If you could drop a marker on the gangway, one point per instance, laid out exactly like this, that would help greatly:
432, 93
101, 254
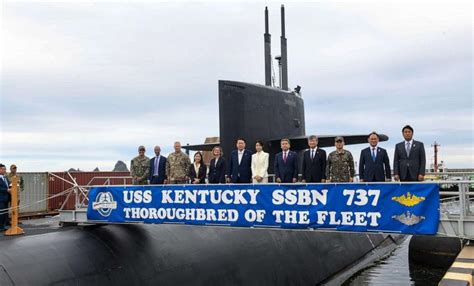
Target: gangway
456, 207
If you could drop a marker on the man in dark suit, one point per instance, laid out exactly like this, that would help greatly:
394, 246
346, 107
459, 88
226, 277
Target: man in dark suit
409, 158
217, 167
240, 164
157, 168
4, 196
286, 164
314, 163
374, 164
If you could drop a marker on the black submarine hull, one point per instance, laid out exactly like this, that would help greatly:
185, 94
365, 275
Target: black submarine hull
181, 255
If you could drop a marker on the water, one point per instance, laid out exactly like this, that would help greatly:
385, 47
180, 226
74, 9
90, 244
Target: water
397, 270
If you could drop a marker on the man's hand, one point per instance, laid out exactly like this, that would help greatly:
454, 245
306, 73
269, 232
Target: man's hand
227, 180
278, 180
165, 181
361, 180
421, 177
323, 181
388, 179
303, 181
328, 180
351, 179
396, 178
295, 180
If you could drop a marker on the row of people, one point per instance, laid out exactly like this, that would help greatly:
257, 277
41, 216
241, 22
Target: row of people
245, 167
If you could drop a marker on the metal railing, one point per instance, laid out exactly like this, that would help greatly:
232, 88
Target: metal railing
456, 206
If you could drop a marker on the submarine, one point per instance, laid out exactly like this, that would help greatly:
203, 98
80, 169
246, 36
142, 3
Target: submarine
169, 254
267, 112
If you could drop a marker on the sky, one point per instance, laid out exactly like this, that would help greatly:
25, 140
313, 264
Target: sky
84, 83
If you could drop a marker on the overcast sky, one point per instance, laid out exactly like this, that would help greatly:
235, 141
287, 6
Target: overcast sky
83, 83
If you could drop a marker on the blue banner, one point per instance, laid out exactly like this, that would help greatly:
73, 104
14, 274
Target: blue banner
402, 208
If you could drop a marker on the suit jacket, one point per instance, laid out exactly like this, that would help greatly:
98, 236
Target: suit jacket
161, 168
314, 170
288, 170
217, 172
4, 194
260, 164
371, 171
240, 173
201, 175
414, 163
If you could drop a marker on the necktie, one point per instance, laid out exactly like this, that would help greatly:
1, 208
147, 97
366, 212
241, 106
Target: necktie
408, 148
5, 180
373, 154
284, 157
155, 172
312, 154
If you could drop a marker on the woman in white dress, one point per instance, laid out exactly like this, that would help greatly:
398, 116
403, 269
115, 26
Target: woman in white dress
259, 164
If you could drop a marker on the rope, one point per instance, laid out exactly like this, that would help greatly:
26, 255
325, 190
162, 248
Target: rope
5, 211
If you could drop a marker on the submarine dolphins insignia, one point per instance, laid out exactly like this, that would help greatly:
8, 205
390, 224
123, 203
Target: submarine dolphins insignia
408, 218
104, 203
408, 200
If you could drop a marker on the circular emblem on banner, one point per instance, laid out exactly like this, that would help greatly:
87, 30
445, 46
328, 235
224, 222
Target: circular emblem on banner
104, 203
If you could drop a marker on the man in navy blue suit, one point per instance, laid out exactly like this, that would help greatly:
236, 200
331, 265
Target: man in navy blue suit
286, 164
240, 164
157, 168
4, 196
374, 164
409, 160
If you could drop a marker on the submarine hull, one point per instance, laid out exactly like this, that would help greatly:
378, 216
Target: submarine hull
180, 255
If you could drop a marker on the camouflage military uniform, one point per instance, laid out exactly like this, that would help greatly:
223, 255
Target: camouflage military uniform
21, 183
139, 169
177, 167
340, 166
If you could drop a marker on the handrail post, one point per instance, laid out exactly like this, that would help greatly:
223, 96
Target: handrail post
76, 191
462, 208
14, 229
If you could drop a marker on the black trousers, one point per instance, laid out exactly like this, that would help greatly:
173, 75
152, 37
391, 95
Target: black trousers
409, 178
157, 180
241, 180
3, 214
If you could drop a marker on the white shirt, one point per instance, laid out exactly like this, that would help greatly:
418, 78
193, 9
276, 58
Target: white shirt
2, 177
215, 161
196, 169
312, 153
241, 154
